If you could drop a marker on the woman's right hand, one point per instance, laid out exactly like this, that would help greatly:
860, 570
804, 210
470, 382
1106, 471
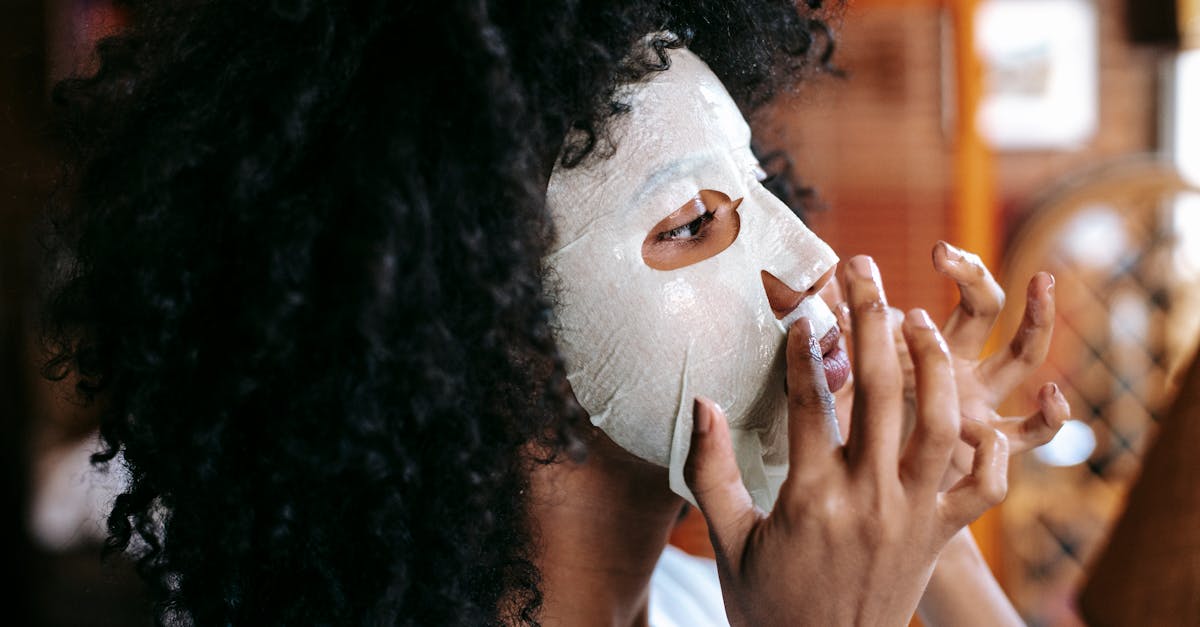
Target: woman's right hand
858, 525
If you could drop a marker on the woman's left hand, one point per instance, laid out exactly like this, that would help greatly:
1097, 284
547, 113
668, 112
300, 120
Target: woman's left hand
984, 382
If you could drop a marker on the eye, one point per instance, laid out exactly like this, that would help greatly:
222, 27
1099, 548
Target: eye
704, 226
691, 230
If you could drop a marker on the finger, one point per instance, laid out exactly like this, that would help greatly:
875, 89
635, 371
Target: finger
842, 312
980, 300
1038, 428
900, 341
844, 396
712, 475
1029, 345
937, 429
812, 419
832, 293
907, 373
834, 297
987, 484
878, 400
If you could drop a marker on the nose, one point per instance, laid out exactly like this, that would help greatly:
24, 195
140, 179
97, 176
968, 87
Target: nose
783, 299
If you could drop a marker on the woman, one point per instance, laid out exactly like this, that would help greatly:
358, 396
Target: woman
302, 280
678, 274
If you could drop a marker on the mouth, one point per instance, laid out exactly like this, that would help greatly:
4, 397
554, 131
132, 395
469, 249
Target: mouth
835, 360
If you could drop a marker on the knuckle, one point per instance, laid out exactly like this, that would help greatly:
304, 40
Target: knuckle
932, 347
976, 264
810, 399
993, 440
817, 506
986, 435
1000, 442
993, 303
941, 433
998, 296
873, 307
1021, 353
984, 297
827, 507
993, 489
931, 351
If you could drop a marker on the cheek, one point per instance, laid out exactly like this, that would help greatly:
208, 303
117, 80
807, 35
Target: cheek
717, 313
641, 343
711, 319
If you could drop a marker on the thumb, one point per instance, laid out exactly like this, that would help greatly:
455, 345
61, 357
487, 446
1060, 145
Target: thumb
712, 475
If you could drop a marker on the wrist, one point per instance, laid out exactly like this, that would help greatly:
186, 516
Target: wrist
962, 590
960, 555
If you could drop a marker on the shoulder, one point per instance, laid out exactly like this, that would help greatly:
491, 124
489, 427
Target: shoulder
685, 590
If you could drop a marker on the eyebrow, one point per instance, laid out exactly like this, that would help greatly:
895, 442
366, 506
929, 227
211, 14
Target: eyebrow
670, 171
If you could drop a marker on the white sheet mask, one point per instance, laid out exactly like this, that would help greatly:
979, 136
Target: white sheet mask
641, 343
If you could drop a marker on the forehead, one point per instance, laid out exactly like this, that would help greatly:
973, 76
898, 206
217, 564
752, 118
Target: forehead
683, 111
682, 132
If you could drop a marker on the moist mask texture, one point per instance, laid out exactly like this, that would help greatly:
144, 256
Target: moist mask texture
641, 343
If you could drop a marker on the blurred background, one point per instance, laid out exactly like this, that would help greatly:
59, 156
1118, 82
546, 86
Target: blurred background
1042, 134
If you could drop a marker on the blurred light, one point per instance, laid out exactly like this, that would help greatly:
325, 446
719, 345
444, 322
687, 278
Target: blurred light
1129, 318
1094, 237
1184, 128
1187, 229
1042, 73
1073, 445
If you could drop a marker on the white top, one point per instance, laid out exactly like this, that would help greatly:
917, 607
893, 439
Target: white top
685, 592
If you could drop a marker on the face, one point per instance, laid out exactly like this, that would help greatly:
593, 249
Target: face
676, 274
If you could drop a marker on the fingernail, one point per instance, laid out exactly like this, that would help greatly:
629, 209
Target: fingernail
842, 313
701, 417
1050, 391
1036, 290
863, 266
919, 318
952, 254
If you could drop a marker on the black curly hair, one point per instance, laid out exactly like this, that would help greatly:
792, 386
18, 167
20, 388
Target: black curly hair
298, 271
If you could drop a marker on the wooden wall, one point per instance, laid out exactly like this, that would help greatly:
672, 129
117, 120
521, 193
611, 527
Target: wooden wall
880, 145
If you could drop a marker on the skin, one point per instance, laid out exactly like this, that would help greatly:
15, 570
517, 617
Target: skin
673, 243
982, 382
865, 513
871, 501
657, 271
962, 590
877, 513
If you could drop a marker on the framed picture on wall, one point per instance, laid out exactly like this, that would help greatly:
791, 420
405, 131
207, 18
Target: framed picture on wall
1041, 83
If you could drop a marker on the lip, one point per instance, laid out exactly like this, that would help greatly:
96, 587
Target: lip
835, 360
